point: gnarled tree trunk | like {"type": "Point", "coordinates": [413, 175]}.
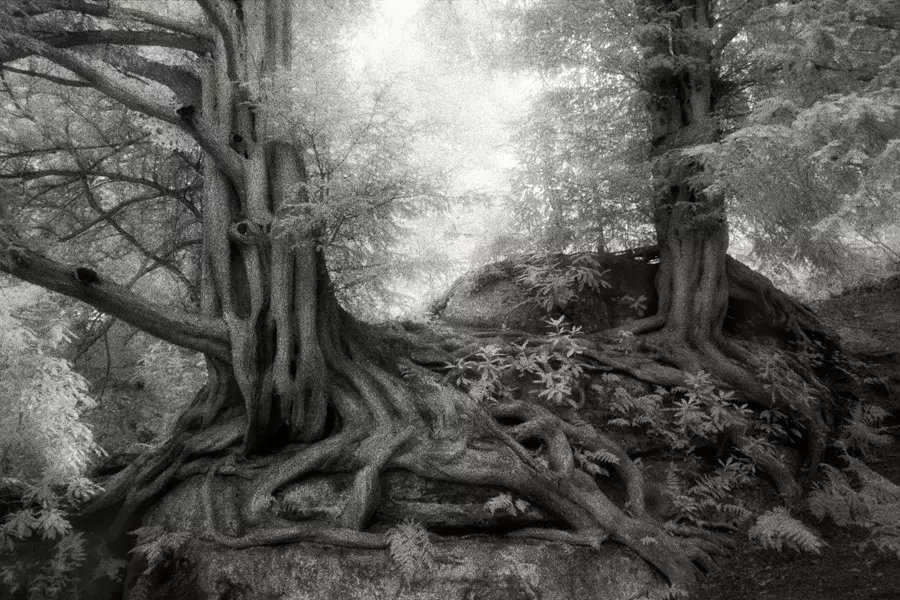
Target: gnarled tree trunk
{"type": "Point", "coordinates": [694, 280]}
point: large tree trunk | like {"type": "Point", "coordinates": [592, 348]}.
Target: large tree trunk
{"type": "Point", "coordinates": [693, 282]}
{"type": "Point", "coordinates": [691, 227]}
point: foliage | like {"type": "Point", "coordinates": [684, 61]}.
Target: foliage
{"type": "Point", "coordinates": [411, 549]}
{"type": "Point", "coordinates": [863, 432]}
{"type": "Point", "coordinates": [872, 503]}
{"type": "Point", "coordinates": [505, 503]}
{"type": "Point", "coordinates": [581, 182]}
{"type": "Point", "coordinates": [52, 567]}
{"type": "Point", "coordinates": [556, 367]}
{"type": "Point", "coordinates": [42, 398]}
{"type": "Point", "coordinates": [807, 99]}
{"type": "Point", "coordinates": [45, 446]}
{"type": "Point", "coordinates": [590, 461]}
{"type": "Point", "coordinates": [156, 545]}
{"type": "Point", "coordinates": [711, 498]}
{"type": "Point", "coordinates": [173, 376]}
{"type": "Point", "coordinates": [778, 530]}
{"type": "Point", "coordinates": [557, 287]}
{"type": "Point", "coordinates": [684, 416]}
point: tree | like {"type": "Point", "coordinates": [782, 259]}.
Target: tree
{"type": "Point", "coordinates": [288, 367]}
{"type": "Point", "coordinates": [690, 83]}
{"type": "Point", "coordinates": [806, 97]}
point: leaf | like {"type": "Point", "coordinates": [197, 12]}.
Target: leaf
{"type": "Point", "coordinates": [54, 524]}
{"type": "Point", "coordinates": [777, 529]}
{"type": "Point", "coordinates": [502, 502]}
{"type": "Point", "coordinates": [21, 523]}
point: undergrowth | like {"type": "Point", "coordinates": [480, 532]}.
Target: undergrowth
{"type": "Point", "coordinates": [44, 450]}
{"type": "Point", "coordinates": [689, 421]}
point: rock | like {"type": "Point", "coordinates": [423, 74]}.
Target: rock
{"type": "Point", "coordinates": [492, 297]}
{"type": "Point", "coordinates": [475, 563]}
{"type": "Point", "coordinates": [470, 568]}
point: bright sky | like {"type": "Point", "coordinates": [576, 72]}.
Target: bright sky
{"type": "Point", "coordinates": [479, 109]}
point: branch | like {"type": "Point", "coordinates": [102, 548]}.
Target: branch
{"type": "Point", "coordinates": [103, 82]}
{"type": "Point", "coordinates": [95, 204]}
{"type": "Point", "coordinates": [106, 9]}
{"type": "Point", "coordinates": [28, 175]}
{"type": "Point", "coordinates": [50, 78]}
{"type": "Point", "coordinates": [226, 159]}
{"type": "Point", "coordinates": [96, 37]}
{"type": "Point", "coordinates": [217, 15]}
{"type": "Point", "coordinates": [196, 332]}
{"type": "Point", "coordinates": [183, 83]}
{"type": "Point", "coordinates": [179, 26]}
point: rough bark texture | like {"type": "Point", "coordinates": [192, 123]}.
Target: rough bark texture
{"type": "Point", "coordinates": [692, 230]}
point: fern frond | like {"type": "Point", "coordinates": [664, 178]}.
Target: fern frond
{"type": "Point", "coordinates": [502, 502]}
{"type": "Point", "coordinates": [410, 548]}
{"type": "Point", "coordinates": [777, 529]}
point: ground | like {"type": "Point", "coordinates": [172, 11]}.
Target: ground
{"type": "Point", "coordinates": [868, 320]}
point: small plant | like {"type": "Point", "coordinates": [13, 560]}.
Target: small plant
{"type": "Point", "coordinates": [557, 366]}
{"type": "Point", "coordinates": [590, 461]}
{"type": "Point", "coordinates": [873, 503]}
{"type": "Point", "coordinates": [411, 548]}
{"type": "Point", "coordinates": [862, 430]}
{"type": "Point", "coordinates": [556, 288]}
{"type": "Point", "coordinates": [637, 305]}
{"type": "Point", "coordinates": [710, 498]}
{"type": "Point", "coordinates": [505, 503]}
{"type": "Point", "coordinates": [157, 545]}
{"type": "Point", "coordinates": [778, 530]}
{"type": "Point", "coordinates": [481, 374]}
{"type": "Point", "coordinates": [695, 412]}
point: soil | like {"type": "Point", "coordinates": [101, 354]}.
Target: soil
{"type": "Point", "coordinates": [868, 319]}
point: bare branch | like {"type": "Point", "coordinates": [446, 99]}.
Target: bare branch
{"type": "Point", "coordinates": [95, 75]}
{"type": "Point", "coordinates": [51, 78]}
{"type": "Point", "coordinates": [96, 37]}
{"type": "Point", "coordinates": [106, 9]}
{"type": "Point", "coordinates": [117, 88]}
{"type": "Point", "coordinates": [168, 323]}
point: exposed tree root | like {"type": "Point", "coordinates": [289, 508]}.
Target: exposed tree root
{"type": "Point", "coordinates": [437, 433]}
{"type": "Point", "coordinates": [375, 421]}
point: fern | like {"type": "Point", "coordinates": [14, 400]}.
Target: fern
{"type": "Point", "coordinates": [873, 504]}
{"type": "Point", "coordinates": [836, 499]}
{"type": "Point", "coordinates": [411, 548]}
{"type": "Point", "coordinates": [777, 529]}
{"type": "Point", "coordinates": [504, 502]}
{"type": "Point", "coordinates": [862, 430]}
{"type": "Point", "coordinates": [157, 546]}
{"type": "Point", "coordinates": [710, 498]}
